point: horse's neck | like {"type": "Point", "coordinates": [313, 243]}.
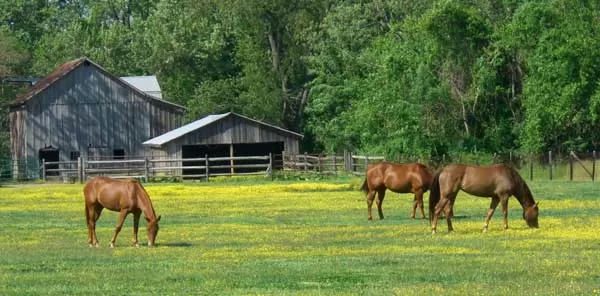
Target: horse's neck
{"type": "Point", "coordinates": [146, 204]}
{"type": "Point", "coordinates": [523, 195]}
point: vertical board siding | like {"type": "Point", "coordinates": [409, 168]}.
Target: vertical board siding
{"type": "Point", "coordinates": [234, 130]}
{"type": "Point", "coordinates": [87, 110]}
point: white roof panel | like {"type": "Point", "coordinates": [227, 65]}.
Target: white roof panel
{"type": "Point", "coordinates": [178, 132]}
{"type": "Point", "coordinates": [147, 84]}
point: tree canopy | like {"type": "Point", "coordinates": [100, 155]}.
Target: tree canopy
{"type": "Point", "coordinates": [397, 77]}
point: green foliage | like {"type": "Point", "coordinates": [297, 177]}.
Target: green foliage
{"type": "Point", "coordinates": [393, 77]}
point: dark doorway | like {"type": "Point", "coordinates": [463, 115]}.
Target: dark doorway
{"type": "Point", "coordinates": [200, 151]}
{"type": "Point", "coordinates": [50, 154]}
{"type": "Point", "coordinates": [257, 149]}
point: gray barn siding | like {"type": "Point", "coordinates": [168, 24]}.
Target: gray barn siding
{"type": "Point", "coordinates": [234, 130]}
{"type": "Point", "coordinates": [86, 109]}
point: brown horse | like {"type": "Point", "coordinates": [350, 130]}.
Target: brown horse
{"type": "Point", "coordinates": [123, 196]}
{"type": "Point", "coordinates": [498, 182]}
{"type": "Point", "coordinates": [401, 178]}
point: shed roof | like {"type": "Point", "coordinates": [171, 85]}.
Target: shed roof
{"type": "Point", "coordinates": [200, 123]}
{"type": "Point", "coordinates": [68, 67]}
{"type": "Point", "coordinates": [147, 84]}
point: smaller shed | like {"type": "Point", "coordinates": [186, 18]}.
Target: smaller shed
{"type": "Point", "coordinates": [225, 135]}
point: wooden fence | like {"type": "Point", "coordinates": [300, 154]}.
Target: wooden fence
{"type": "Point", "coordinates": [151, 169]}
{"type": "Point", "coordinates": [568, 167]}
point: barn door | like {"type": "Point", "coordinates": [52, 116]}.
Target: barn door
{"type": "Point", "coordinates": [52, 155]}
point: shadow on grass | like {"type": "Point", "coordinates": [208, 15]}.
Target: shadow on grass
{"type": "Point", "coordinates": [175, 245]}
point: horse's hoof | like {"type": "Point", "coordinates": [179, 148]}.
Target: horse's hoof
{"type": "Point", "coordinates": [136, 245]}
{"type": "Point", "coordinates": [112, 245]}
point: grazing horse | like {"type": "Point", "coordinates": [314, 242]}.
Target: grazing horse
{"type": "Point", "coordinates": [123, 196]}
{"type": "Point", "coordinates": [498, 182]}
{"type": "Point", "coordinates": [397, 177]}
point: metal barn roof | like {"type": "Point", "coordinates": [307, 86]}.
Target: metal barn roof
{"type": "Point", "coordinates": [147, 84]}
{"type": "Point", "coordinates": [193, 126]}
{"type": "Point", "coordinates": [69, 66]}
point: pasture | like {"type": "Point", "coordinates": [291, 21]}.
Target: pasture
{"type": "Point", "coordinates": [298, 238]}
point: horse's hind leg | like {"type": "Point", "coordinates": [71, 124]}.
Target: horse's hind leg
{"type": "Point", "coordinates": [122, 216]}
{"type": "Point", "coordinates": [448, 212]}
{"type": "Point", "coordinates": [493, 205]}
{"type": "Point", "coordinates": [380, 197]}
{"type": "Point", "coordinates": [439, 207]}
{"type": "Point", "coordinates": [92, 215]}
{"type": "Point", "coordinates": [370, 198]}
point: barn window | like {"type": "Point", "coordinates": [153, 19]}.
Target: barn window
{"type": "Point", "coordinates": [75, 155]}
{"type": "Point", "coordinates": [119, 154]}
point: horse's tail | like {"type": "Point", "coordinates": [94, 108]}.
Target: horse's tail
{"type": "Point", "coordinates": [365, 186]}
{"type": "Point", "coordinates": [434, 194]}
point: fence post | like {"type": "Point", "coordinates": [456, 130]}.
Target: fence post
{"type": "Point", "coordinates": [83, 164]}
{"type": "Point", "coordinates": [79, 173]}
{"type": "Point", "coordinates": [206, 166]}
{"type": "Point", "coordinates": [305, 162]}
{"type": "Point", "coordinates": [366, 162]}
{"type": "Point", "coordinates": [594, 166]}
{"type": "Point", "coordinates": [550, 163]}
{"type": "Point", "coordinates": [571, 167]}
{"type": "Point", "coordinates": [320, 162]}
{"type": "Point", "coordinates": [531, 168]}
{"type": "Point", "coordinates": [44, 170]}
{"type": "Point", "coordinates": [282, 161]}
{"type": "Point", "coordinates": [146, 168]}
{"type": "Point", "coordinates": [334, 165]}
{"type": "Point", "coordinates": [270, 170]}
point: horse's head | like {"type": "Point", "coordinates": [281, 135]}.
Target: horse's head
{"type": "Point", "coordinates": [530, 214]}
{"type": "Point", "coordinates": [152, 228]}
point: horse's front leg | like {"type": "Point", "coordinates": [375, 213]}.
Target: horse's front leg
{"type": "Point", "coordinates": [418, 202]}
{"type": "Point", "coordinates": [504, 203]}
{"type": "Point", "coordinates": [122, 216]}
{"type": "Point", "coordinates": [493, 205]}
{"type": "Point", "coordinates": [136, 226]}
{"type": "Point", "coordinates": [380, 197]}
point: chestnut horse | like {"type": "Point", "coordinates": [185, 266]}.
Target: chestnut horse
{"type": "Point", "coordinates": [397, 177]}
{"type": "Point", "coordinates": [498, 182]}
{"type": "Point", "coordinates": [123, 196]}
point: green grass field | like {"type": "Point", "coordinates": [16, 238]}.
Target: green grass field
{"type": "Point", "coordinates": [298, 238]}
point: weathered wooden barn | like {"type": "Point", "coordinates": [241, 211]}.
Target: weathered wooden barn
{"type": "Point", "coordinates": [225, 135]}
{"type": "Point", "coordinates": [80, 109]}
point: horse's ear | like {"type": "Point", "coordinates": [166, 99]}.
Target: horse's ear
{"type": "Point", "coordinates": [159, 216]}
{"type": "Point", "coordinates": [537, 204]}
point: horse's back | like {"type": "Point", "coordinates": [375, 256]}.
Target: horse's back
{"type": "Point", "coordinates": [478, 180]}
{"type": "Point", "coordinates": [399, 177]}
{"type": "Point", "coordinates": [110, 193]}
